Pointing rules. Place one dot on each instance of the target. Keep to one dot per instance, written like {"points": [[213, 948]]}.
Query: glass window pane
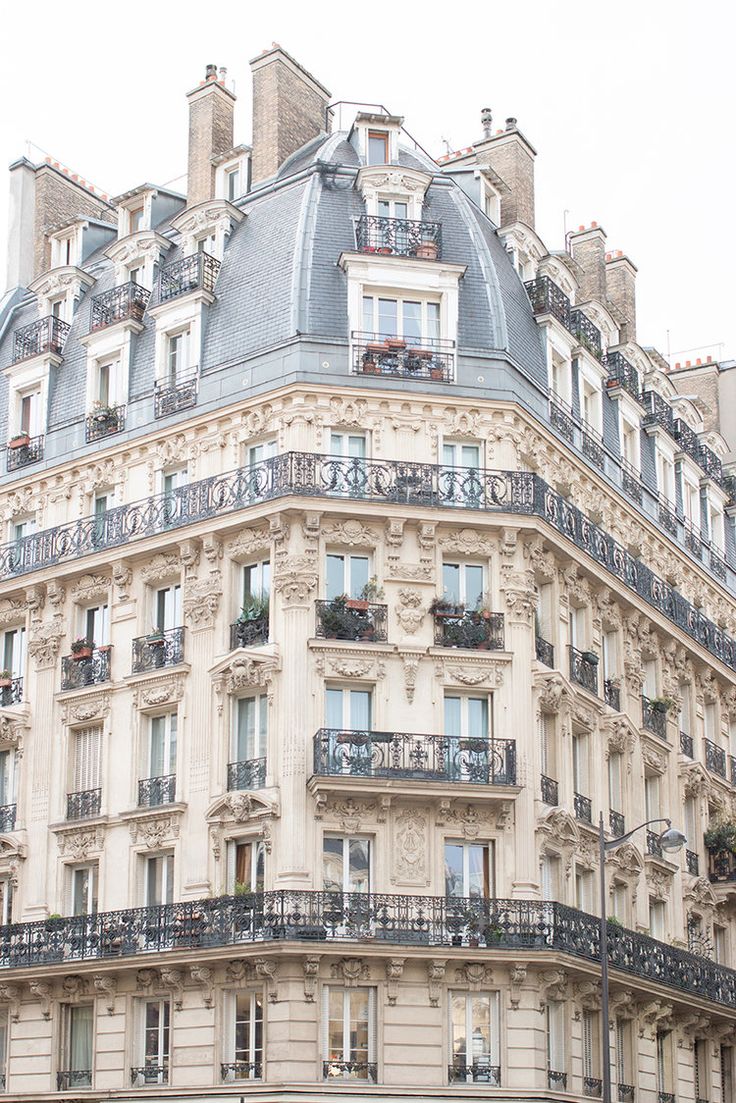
{"points": [[451, 581], [387, 317], [333, 708], [335, 1027], [473, 585], [332, 864], [477, 868], [359, 865], [458, 1040], [360, 710], [433, 321], [453, 714], [401, 210], [368, 313], [454, 869], [448, 455], [359, 1025], [470, 455], [412, 321], [478, 717], [359, 574], [335, 576]]}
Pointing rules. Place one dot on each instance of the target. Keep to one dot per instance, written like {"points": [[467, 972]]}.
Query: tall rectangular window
{"points": [[556, 1064], [177, 357], [251, 728], [162, 745], [97, 624], [346, 863], [346, 574], [726, 1064], [615, 774], [245, 865], [77, 1047], [657, 919], [14, 651], [623, 1052], [652, 788], [349, 445], [85, 764], [156, 1048], [468, 870], [377, 147], [549, 876], [591, 1048], [349, 1033], [664, 1061], [580, 764], [244, 1046], [348, 709], [6, 901], [7, 777], [159, 879], [475, 1037], [83, 888], [168, 608], [232, 183], [256, 580], [462, 584]]}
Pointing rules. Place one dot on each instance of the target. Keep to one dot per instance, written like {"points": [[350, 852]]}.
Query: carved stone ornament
{"points": [[161, 568], [351, 533], [78, 844], [245, 671], [587, 994], [45, 642], [74, 988], [627, 860], [266, 970], [519, 593], [622, 738], [652, 1015], [148, 980], [349, 665], [410, 849], [541, 561], [162, 690], [41, 991], [12, 611], [10, 994], [173, 979], [295, 579], [435, 976], [248, 542], [466, 818], [92, 706], [12, 731], [350, 970], [204, 978], [517, 976], [311, 973], [410, 613], [552, 986], [467, 542], [106, 986], [89, 588], [471, 672], [653, 757], [350, 813], [475, 975], [410, 661], [154, 831], [394, 972], [201, 601], [553, 693]]}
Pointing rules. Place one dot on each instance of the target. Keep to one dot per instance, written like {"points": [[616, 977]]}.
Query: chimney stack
{"points": [[211, 113], [289, 110], [621, 290], [511, 156], [588, 247]]}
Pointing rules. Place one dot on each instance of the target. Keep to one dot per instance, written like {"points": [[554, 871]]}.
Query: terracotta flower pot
{"points": [[82, 653], [20, 442], [427, 250], [357, 603]]}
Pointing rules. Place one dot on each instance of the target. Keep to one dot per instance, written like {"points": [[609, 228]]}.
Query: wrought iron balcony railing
{"points": [[630, 481], [654, 716], [612, 694], [240, 1070], [245, 775], [562, 417], [545, 652], [616, 823], [149, 1074], [406, 358], [624, 375], [154, 791], [351, 619], [584, 669], [586, 333], [158, 649], [169, 397], [385, 481], [732, 769], [667, 514], [23, 451], [583, 808], [83, 805], [128, 301], [658, 411], [104, 422], [11, 693], [403, 236], [547, 298], [249, 633], [715, 758], [654, 846], [470, 629], [694, 540], [686, 745], [721, 866], [7, 817], [592, 446], [710, 463], [666, 1097], [550, 791], [692, 862], [556, 1081], [350, 1070], [626, 1093], [478, 1072], [197, 272], [718, 564], [67, 1079], [44, 335], [592, 1087], [401, 755], [78, 673]]}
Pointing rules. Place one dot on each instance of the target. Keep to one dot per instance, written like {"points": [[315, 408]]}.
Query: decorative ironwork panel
{"points": [[592, 1087], [658, 411], [623, 374], [348, 619], [403, 236], [718, 565], [584, 670], [654, 846], [7, 817], [562, 418], [249, 633], [626, 1093], [667, 513], [479, 1072], [732, 769], [593, 446], [654, 717], [353, 753], [240, 1070], [194, 273], [170, 398], [104, 423], [550, 791], [67, 1079], [44, 335], [692, 862], [21, 455], [248, 774], [631, 481], [77, 673], [715, 758], [12, 693], [612, 694], [157, 650], [471, 630], [583, 808], [153, 791], [545, 652], [686, 745], [710, 464], [586, 333], [686, 438], [721, 866], [83, 805], [350, 1070], [129, 300], [556, 1080], [694, 541], [547, 298], [149, 1074], [666, 1097], [378, 354], [616, 823]]}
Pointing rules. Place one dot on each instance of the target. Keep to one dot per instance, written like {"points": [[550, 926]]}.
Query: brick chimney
{"points": [[211, 114], [289, 110], [588, 245], [621, 290], [510, 155]]}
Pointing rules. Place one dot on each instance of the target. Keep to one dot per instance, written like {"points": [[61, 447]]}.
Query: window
{"points": [[475, 1036], [135, 275], [584, 889], [580, 764], [491, 202], [462, 584], [232, 183], [7, 777], [726, 1063], [251, 728], [161, 757], [377, 147], [414, 320], [257, 453], [664, 1061], [547, 745], [352, 445], [560, 377], [709, 721], [135, 219], [77, 1042], [14, 651], [3, 1049], [652, 796], [459, 454], [108, 382], [83, 889], [346, 863], [96, 622], [591, 1046], [177, 357], [159, 879], [85, 765], [620, 902], [690, 818], [630, 443], [467, 726], [346, 574], [245, 865], [549, 876], [657, 919], [615, 774], [348, 709], [545, 615], [578, 628], [167, 607], [685, 719], [207, 244], [715, 526], [469, 870], [623, 1051], [609, 642], [256, 580], [691, 503], [590, 405], [665, 475], [701, 1070], [6, 901], [29, 413], [720, 944], [156, 1042], [349, 1038], [555, 1023], [245, 1048]]}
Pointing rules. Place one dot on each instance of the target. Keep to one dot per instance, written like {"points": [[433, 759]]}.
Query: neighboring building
{"points": [[357, 557]]}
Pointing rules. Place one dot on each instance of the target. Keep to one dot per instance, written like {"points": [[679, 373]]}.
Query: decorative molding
{"points": [[153, 831], [470, 672], [350, 970], [295, 578], [162, 690], [517, 976], [249, 542], [174, 981], [10, 994], [394, 972], [311, 973], [204, 978], [93, 705], [410, 847], [161, 568], [351, 533], [41, 991], [553, 985], [266, 970], [79, 843], [435, 977], [202, 600], [90, 587], [106, 987]]}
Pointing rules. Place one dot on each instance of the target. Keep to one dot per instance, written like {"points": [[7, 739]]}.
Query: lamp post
{"points": [[670, 839]]}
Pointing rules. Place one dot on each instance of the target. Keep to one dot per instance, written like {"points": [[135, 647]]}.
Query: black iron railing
{"points": [[169, 397], [666, 1097], [547, 298], [654, 846], [128, 301], [249, 633], [715, 758], [583, 808], [403, 236], [470, 629], [592, 1087], [240, 1070], [350, 1070], [351, 619], [158, 649], [732, 769], [586, 333], [718, 564], [248, 774], [44, 335], [66, 1079], [401, 755], [562, 417], [104, 423], [626, 1093], [667, 513], [556, 1081], [623, 374], [7, 817], [83, 805], [77, 673], [22, 453], [153, 791], [545, 652], [721, 866], [658, 411], [407, 358], [584, 669], [654, 716], [616, 823], [592, 446], [686, 745], [479, 1072], [692, 862], [694, 540], [710, 463], [12, 693], [612, 694], [550, 790], [194, 273], [631, 481], [149, 1074], [385, 481]]}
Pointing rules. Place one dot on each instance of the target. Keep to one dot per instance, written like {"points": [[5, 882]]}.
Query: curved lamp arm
{"points": [[611, 844]]}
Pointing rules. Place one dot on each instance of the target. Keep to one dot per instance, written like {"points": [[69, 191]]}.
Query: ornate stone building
{"points": [[356, 558]]}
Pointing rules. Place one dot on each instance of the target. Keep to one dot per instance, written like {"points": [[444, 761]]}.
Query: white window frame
{"points": [[346, 1055], [164, 1032], [346, 840], [260, 729], [254, 1058], [472, 1065], [92, 889], [164, 882]]}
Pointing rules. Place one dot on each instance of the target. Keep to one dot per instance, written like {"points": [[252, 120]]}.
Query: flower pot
{"points": [[590, 657], [385, 250], [436, 373], [82, 653], [353, 740], [370, 367], [5, 683], [658, 706], [357, 603], [395, 343], [155, 641], [427, 250], [20, 442]]}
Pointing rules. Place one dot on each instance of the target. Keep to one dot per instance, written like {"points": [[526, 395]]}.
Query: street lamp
{"points": [[670, 840]]}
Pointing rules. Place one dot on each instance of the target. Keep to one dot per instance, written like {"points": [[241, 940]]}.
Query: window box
{"points": [[82, 653], [395, 343], [82, 649], [590, 657], [427, 250], [22, 440], [357, 603]]}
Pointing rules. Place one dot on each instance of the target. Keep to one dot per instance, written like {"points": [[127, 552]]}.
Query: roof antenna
{"points": [[446, 145], [486, 120]]}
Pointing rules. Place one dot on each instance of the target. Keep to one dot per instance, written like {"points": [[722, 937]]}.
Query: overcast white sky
{"points": [[630, 105]]}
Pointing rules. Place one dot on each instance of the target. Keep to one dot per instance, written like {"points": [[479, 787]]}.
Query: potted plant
{"points": [[256, 608], [370, 367], [436, 372], [370, 593], [103, 413], [156, 637], [20, 440], [661, 704], [441, 608], [82, 648], [427, 250], [590, 657], [721, 837], [6, 678]]}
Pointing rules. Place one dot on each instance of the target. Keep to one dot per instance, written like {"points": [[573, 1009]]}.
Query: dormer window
{"points": [[491, 202], [378, 147], [233, 189], [62, 251], [411, 319], [136, 217]]}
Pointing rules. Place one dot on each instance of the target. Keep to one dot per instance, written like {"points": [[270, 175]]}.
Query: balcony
{"points": [[667, 514], [623, 376], [24, 450], [231, 1071], [694, 541], [657, 411], [547, 298], [584, 669], [616, 823], [631, 481], [195, 273], [410, 358], [7, 817], [44, 335], [120, 304], [246, 775], [586, 333], [550, 791], [346, 618], [402, 237], [544, 652], [155, 791], [350, 1070], [556, 1081], [408, 757], [68, 1079], [479, 1072], [83, 805], [592, 446], [104, 422], [592, 1087], [81, 670], [626, 1093], [157, 650], [665, 1097], [718, 564], [11, 691], [149, 1074], [686, 745], [470, 629], [721, 866], [654, 715], [710, 463], [654, 846], [562, 417], [715, 758], [249, 632], [171, 397], [583, 808], [692, 863], [612, 694]]}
